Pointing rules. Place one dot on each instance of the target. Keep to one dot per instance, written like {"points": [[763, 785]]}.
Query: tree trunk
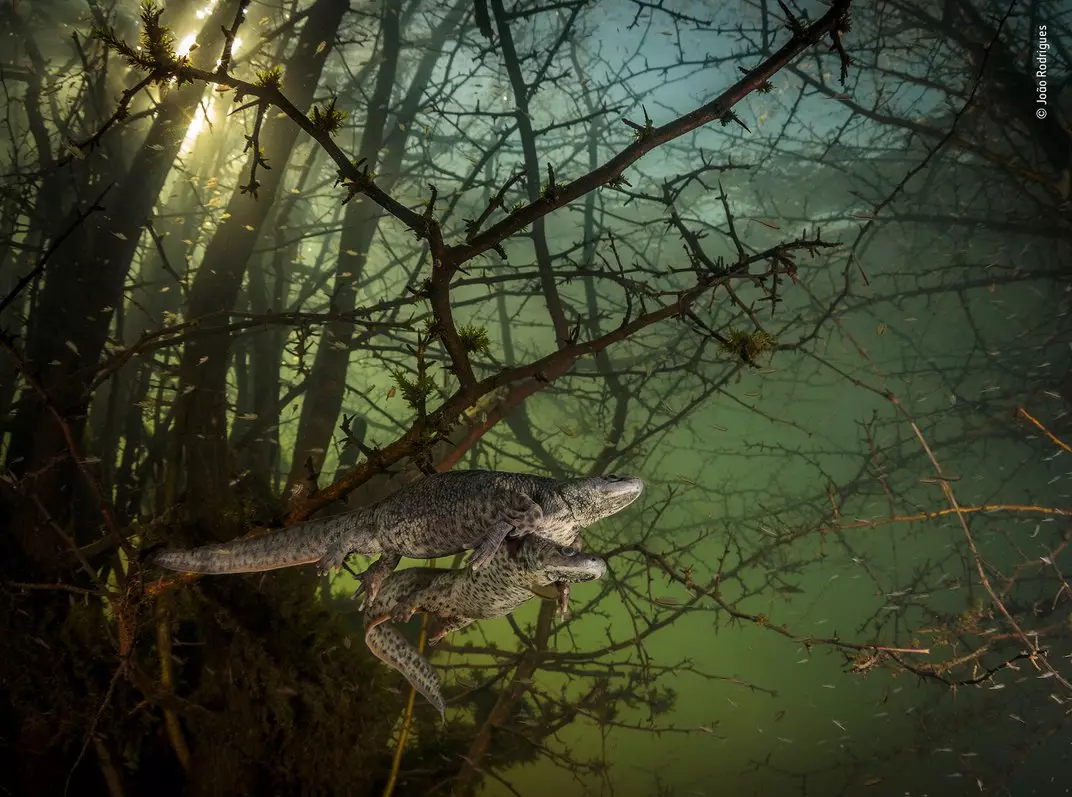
{"points": [[468, 777], [255, 440], [327, 381], [67, 330], [200, 435]]}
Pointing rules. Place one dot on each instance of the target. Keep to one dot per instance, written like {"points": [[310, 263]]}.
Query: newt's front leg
{"points": [[520, 516], [563, 590], [486, 549]]}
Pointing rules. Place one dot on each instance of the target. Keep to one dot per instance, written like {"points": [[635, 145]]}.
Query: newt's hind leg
{"points": [[448, 625], [348, 541], [332, 560], [389, 645], [371, 579]]}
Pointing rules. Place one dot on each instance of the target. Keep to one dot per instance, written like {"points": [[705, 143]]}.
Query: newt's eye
{"points": [[567, 551]]}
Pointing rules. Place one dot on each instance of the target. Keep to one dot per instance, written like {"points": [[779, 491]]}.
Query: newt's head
{"points": [[546, 563], [593, 498]]}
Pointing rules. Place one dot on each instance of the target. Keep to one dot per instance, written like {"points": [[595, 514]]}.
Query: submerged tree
{"points": [[379, 242]]}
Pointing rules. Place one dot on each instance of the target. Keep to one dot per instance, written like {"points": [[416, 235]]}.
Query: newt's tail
{"points": [[389, 645], [302, 544]]}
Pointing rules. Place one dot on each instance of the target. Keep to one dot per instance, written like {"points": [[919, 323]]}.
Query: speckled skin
{"points": [[459, 597], [441, 515]]}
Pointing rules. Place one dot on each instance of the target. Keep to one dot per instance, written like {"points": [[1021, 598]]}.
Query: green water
{"points": [[830, 331]]}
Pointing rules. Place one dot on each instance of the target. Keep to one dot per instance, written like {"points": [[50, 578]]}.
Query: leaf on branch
{"points": [[270, 77], [473, 338], [748, 346], [156, 51], [414, 391], [328, 118]]}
